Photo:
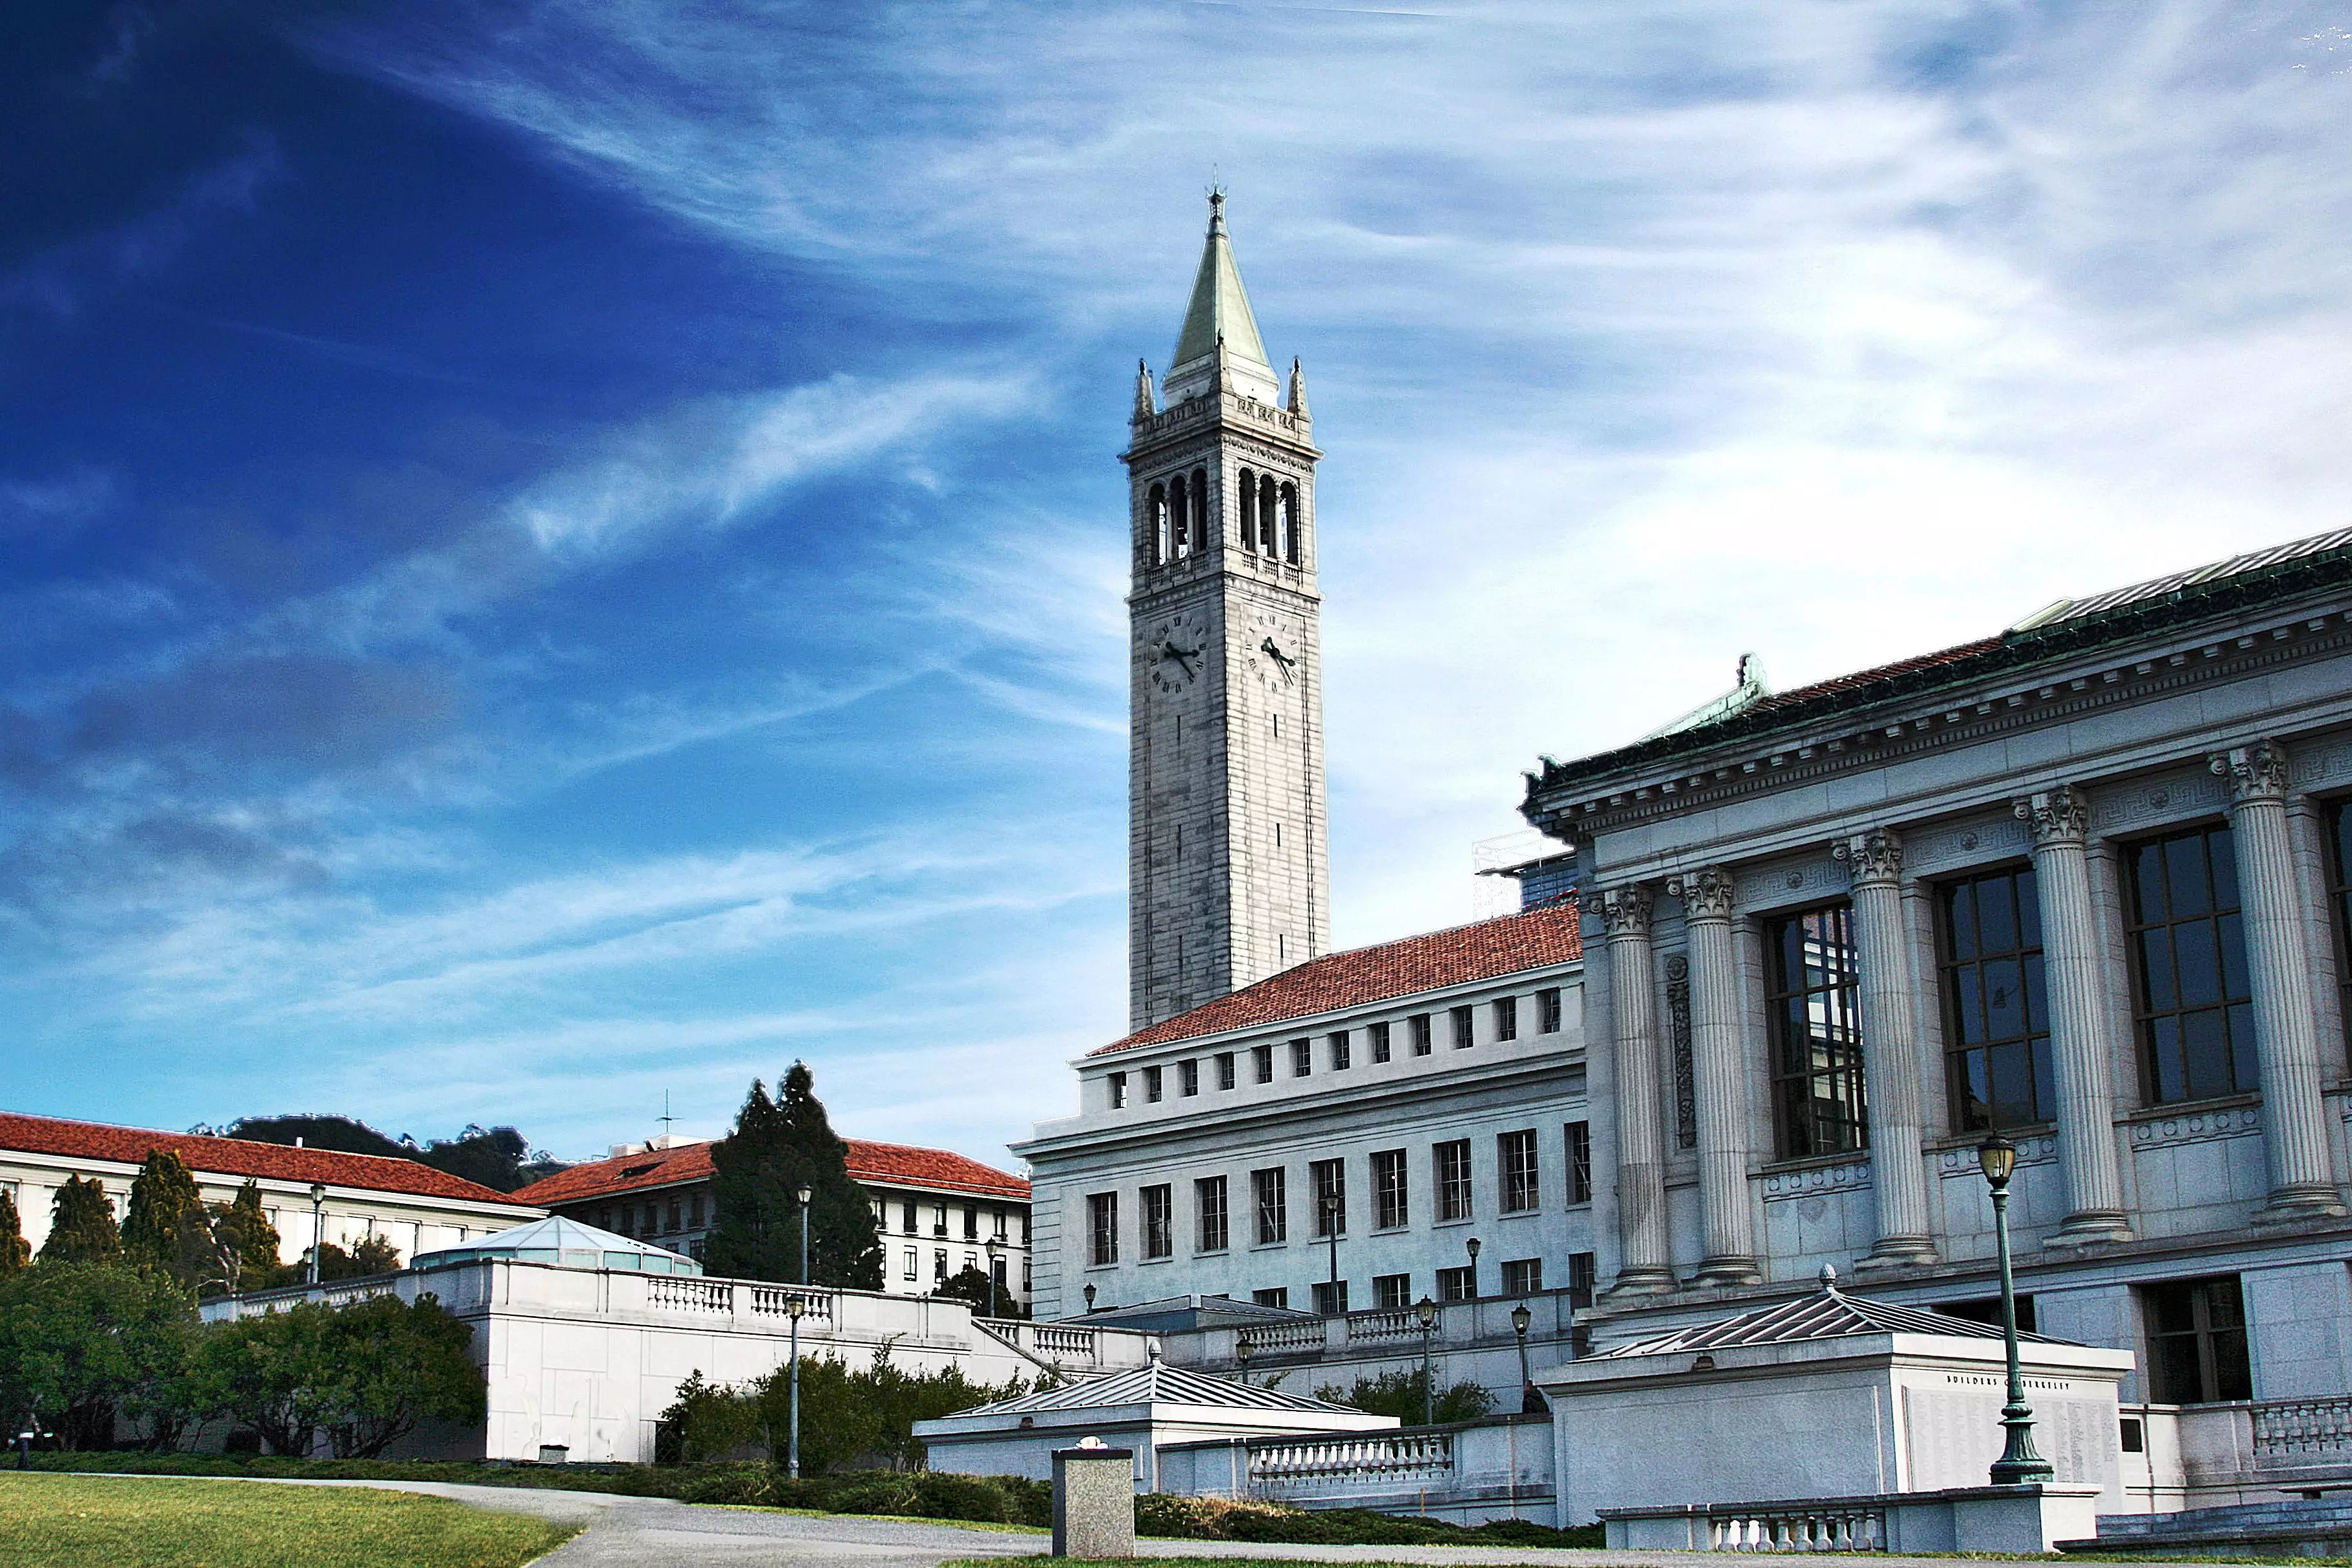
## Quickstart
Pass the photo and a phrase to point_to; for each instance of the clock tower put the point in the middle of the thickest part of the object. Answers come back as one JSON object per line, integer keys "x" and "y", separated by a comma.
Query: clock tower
{"x": 1228, "y": 870}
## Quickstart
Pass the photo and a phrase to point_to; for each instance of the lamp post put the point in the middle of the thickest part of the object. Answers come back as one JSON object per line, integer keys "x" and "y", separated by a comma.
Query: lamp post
{"x": 794, "y": 1307}
{"x": 1425, "y": 1311}
{"x": 996, "y": 1256}
{"x": 1472, "y": 1247}
{"x": 1332, "y": 1234}
{"x": 2019, "y": 1464}
{"x": 318, "y": 1226}
{"x": 1242, "y": 1351}
{"x": 806, "y": 1193}
{"x": 1521, "y": 1319}
{"x": 1090, "y": 1297}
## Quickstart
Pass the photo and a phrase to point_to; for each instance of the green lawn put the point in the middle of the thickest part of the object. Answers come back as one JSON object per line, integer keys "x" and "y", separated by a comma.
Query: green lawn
{"x": 94, "y": 1522}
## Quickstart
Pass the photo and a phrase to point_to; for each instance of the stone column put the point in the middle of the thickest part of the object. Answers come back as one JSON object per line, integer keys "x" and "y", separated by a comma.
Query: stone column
{"x": 2082, "y": 1046}
{"x": 1890, "y": 1049}
{"x": 1643, "y": 1260}
{"x": 1719, "y": 1082}
{"x": 2278, "y": 965}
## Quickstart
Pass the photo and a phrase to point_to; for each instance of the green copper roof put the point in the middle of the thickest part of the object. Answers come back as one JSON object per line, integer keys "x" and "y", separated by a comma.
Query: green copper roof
{"x": 1219, "y": 307}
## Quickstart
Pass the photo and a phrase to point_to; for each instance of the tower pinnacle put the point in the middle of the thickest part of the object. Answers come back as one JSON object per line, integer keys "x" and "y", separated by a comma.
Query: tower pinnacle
{"x": 1219, "y": 316}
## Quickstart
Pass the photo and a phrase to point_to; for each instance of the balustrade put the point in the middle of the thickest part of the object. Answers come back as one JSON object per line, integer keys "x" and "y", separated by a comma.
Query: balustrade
{"x": 2287, "y": 1428}
{"x": 1782, "y": 1527}
{"x": 1056, "y": 1343}
{"x": 1383, "y": 1456}
{"x": 775, "y": 1302}
{"x": 685, "y": 1295}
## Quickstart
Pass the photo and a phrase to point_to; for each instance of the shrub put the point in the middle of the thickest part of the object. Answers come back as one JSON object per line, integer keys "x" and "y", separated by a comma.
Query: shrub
{"x": 742, "y": 1484}
{"x": 1399, "y": 1393}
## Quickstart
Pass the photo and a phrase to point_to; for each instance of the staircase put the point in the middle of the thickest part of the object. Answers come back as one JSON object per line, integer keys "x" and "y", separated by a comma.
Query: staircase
{"x": 2291, "y": 1527}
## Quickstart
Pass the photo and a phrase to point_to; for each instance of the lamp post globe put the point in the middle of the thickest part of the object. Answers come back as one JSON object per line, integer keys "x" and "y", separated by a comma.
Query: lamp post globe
{"x": 2019, "y": 1464}
{"x": 1522, "y": 1319}
{"x": 996, "y": 1258}
{"x": 806, "y": 1193}
{"x": 1425, "y": 1312}
{"x": 794, "y": 1307}
{"x": 318, "y": 1226}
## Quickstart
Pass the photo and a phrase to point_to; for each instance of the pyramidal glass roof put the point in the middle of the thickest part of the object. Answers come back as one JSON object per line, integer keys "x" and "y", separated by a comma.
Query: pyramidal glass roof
{"x": 1155, "y": 1383}
{"x": 567, "y": 1243}
{"x": 1826, "y": 1314}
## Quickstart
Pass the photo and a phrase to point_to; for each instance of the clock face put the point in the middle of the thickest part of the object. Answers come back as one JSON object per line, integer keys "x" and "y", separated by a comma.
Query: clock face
{"x": 1275, "y": 646}
{"x": 1173, "y": 649}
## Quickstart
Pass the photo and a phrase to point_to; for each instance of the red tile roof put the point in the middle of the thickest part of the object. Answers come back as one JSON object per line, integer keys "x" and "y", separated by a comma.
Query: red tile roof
{"x": 1531, "y": 939}
{"x": 879, "y": 1162}
{"x": 242, "y": 1157}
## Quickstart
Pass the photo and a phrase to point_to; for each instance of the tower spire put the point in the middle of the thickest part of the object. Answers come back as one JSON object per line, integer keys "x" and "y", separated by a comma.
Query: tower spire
{"x": 1219, "y": 315}
{"x": 1146, "y": 405}
{"x": 1297, "y": 401}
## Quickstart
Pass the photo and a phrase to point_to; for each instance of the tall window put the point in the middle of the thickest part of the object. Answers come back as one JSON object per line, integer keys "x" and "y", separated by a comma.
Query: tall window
{"x": 1118, "y": 1091}
{"x": 1199, "y": 509}
{"x": 1816, "y": 1033}
{"x": 1225, "y": 1069}
{"x": 2197, "y": 1340}
{"x": 1188, "y": 1077}
{"x": 1388, "y": 1189}
{"x": 2188, "y": 953}
{"x": 1102, "y": 1229}
{"x": 1547, "y": 1010}
{"x": 1246, "y": 509}
{"x": 1331, "y": 1177}
{"x": 1154, "y": 1085}
{"x": 1452, "y": 1162}
{"x": 1522, "y": 1275}
{"x": 1159, "y": 1217}
{"x": 1179, "y": 517}
{"x": 2339, "y": 877}
{"x": 1262, "y": 1060}
{"x": 1302, "y": 1058}
{"x": 1516, "y": 1157}
{"x": 1391, "y": 1291}
{"x": 1290, "y": 530}
{"x": 1420, "y": 1024}
{"x": 1378, "y": 1035}
{"x": 907, "y": 1216}
{"x": 1339, "y": 1051}
{"x": 1272, "y": 1211}
{"x": 1996, "y": 1020}
{"x": 1506, "y": 1017}
{"x": 1157, "y": 506}
{"x": 1268, "y": 502}
{"x": 1583, "y": 1273}
{"x": 1208, "y": 1210}
{"x": 1466, "y": 1026}
{"x": 1579, "y": 1162}
{"x": 1330, "y": 1297}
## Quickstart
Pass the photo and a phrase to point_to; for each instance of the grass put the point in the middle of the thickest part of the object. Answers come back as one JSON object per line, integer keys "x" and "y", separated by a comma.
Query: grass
{"x": 95, "y": 1521}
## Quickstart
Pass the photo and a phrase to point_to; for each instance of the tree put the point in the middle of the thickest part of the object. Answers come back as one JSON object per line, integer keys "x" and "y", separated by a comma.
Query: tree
{"x": 1399, "y": 1393}
{"x": 14, "y": 1250}
{"x": 398, "y": 1365}
{"x": 494, "y": 1156}
{"x": 374, "y": 1255}
{"x": 82, "y": 1224}
{"x": 969, "y": 1284}
{"x": 81, "y": 1343}
{"x": 164, "y": 1227}
{"x": 710, "y": 1420}
{"x": 244, "y": 1244}
{"x": 275, "y": 1371}
{"x": 757, "y": 1170}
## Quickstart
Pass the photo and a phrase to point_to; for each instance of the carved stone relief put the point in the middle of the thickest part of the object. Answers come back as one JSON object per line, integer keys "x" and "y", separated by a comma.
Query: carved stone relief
{"x": 2197, "y": 1126}
{"x": 1678, "y": 1030}
{"x": 2149, "y": 803}
{"x": 1789, "y": 882}
{"x": 1975, "y": 841}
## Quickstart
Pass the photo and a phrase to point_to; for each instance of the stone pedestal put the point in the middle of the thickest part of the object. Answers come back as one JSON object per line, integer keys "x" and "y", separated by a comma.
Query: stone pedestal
{"x": 1094, "y": 1501}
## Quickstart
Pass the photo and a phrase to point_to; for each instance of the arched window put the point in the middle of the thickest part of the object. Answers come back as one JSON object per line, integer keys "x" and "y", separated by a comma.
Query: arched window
{"x": 1180, "y": 517}
{"x": 1248, "y": 510}
{"x": 1157, "y": 513}
{"x": 1201, "y": 510}
{"x": 1266, "y": 502}
{"x": 1291, "y": 548}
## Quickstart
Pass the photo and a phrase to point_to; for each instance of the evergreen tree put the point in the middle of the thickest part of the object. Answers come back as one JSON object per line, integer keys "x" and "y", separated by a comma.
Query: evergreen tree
{"x": 244, "y": 1244}
{"x": 82, "y": 1224}
{"x": 757, "y": 1170}
{"x": 14, "y": 1250}
{"x": 165, "y": 1226}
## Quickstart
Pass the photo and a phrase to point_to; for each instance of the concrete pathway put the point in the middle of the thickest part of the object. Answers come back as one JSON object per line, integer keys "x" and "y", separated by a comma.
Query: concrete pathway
{"x": 653, "y": 1533}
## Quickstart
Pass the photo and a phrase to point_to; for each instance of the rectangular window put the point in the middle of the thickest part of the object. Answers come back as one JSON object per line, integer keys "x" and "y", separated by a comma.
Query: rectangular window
{"x": 938, "y": 1219}
{"x": 1102, "y": 1229}
{"x": 1458, "y": 1284}
{"x": 1514, "y": 1156}
{"x": 996, "y": 1219}
{"x": 1547, "y": 1010}
{"x": 1187, "y": 1078}
{"x": 1420, "y": 1026}
{"x": 1522, "y": 1275}
{"x": 1391, "y": 1291}
{"x": 1158, "y": 1221}
{"x": 971, "y": 1222}
{"x": 1272, "y": 1210}
{"x": 1340, "y": 1055}
{"x": 2340, "y": 882}
{"x": 939, "y": 1264}
{"x": 1389, "y": 1190}
{"x": 1815, "y": 1017}
{"x": 1118, "y": 1091}
{"x": 906, "y": 1217}
{"x": 2189, "y": 960}
{"x": 1987, "y": 1310}
{"x": 1154, "y": 1083}
{"x": 1579, "y": 1163}
{"x": 1378, "y": 1033}
{"x": 1209, "y": 1207}
{"x": 1302, "y": 1058}
{"x": 1277, "y": 1297}
{"x": 2196, "y": 1342}
{"x": 1996, "y": 1020}
{"x": 1506, "y": 1017}
{"x": 1225, "y": 1069}
{"x": 1262, "y": 1060}
{"x": 1452, "y": 1162}
{"x": 1583, "y": 1272}
{"x": 909, "y": 1263}
{"x": 1330, "y": 1178}
{"x": 1466, "y": 1026}
{"x": 1330, "y": 1297}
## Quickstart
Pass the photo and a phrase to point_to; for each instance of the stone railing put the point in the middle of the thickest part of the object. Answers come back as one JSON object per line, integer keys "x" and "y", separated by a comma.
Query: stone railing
{"x": 673, "y": 1294}
{"x": 775, "y": 1302}
{"x": 1055, "y": 1342}
{"x": 1390, "y": 1324}
{"x": 1303, "y": 1338}
{"x": 1354, "y": 1457}
{"x": 2295, "y": 1431}
{"x": 1787, "y": 1528}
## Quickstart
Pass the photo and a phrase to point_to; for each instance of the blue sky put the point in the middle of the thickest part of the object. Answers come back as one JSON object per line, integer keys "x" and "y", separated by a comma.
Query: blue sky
{"x": 557, "y": 553}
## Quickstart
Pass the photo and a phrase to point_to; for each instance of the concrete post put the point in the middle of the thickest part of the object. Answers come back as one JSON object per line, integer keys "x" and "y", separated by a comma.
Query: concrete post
{"x": 1094, "y": 1500}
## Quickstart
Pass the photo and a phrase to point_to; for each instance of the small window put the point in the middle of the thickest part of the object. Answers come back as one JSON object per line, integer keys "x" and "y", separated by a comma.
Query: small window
{"x": 1339, "y": 1044}
{"x": 1419, "y": 1023}
{"x": 1330, "y": 1297}
{"x": 1452, "y": 1162}
{"x": 1158, "y": 1217}
{"x": 1547, "y": 1010}
{"x": 1272, "y": 1210}
{"x": 1118, "y": 1082}
{"x": 1458, "y": 1284}
{"x": 1302, "y": 1058}
{"x": 1262, "y": 1059}
{"x": 1583, "y": 1276}
{"x": 911, "y": 1262}
{"x": 1225, "y": 1069}
{"x": 1515, "y": 1158}
{"x": 940, "y": 1265}
{"x": 1102, "y": 1230}
{"x": 1377, "y": 1036}
{"x": 1506, "y": 1017}
{"x": 1209, "y": 1211}
{"x": 1466, "y": 1026}
{"x": 1277, "y": 1297}
{"x": 1391, "y": 1291}
{"x": 907, "y": 1216}
{"x": 939, "y": 1219}
{"x": 971, "y": 1222}
{"x": 1187, "y": 1078}
{"x": 1522, "y": 1275}
{"x": 1389, "y": 1195}
{"x": 1153, "y": 1084}
{"x": 2197, "y": 1341}
{"x": 2135, "y": 1437}
{"x": 1330, "y": 1178}
{"x": 1579, "y": 1163}
{"x": 1987, "y": 1310}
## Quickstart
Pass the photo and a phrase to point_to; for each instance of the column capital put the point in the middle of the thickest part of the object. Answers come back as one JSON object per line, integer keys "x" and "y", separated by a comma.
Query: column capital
{"x": 2059, "y": 816}
{"x": 1624, "y": 910}
{"x": 1875, "y": 856}
{"x": 2257, "y": 771}
{"x": 1706, "y": 893}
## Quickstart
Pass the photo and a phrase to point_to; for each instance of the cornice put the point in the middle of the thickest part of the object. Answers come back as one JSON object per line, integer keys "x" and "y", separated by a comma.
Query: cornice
{"x": 1228, "y": 411}
{"x": 1986, "y": 703}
